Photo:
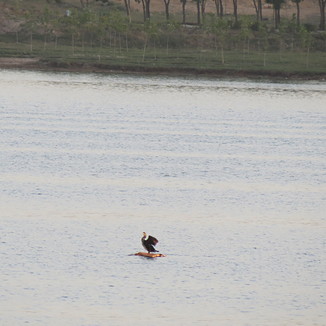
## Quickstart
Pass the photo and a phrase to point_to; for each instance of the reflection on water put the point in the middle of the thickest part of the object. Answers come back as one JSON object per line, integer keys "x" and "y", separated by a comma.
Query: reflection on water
{"x": 230, "y": 175}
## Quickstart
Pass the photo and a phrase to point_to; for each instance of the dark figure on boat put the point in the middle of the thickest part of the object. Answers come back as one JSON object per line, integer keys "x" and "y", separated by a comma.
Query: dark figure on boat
{"x": 149, "y": 242}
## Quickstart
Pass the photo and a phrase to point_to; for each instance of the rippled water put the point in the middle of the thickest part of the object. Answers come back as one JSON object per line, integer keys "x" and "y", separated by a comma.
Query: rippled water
{"x": 229, "y": 175}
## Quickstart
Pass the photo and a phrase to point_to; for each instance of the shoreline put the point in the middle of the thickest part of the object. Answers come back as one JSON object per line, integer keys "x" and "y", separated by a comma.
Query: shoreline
{"x": 38, "y": 65}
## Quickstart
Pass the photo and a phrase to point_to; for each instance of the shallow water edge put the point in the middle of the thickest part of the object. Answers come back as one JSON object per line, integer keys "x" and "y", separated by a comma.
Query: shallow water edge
{"x": 37, "y": 64}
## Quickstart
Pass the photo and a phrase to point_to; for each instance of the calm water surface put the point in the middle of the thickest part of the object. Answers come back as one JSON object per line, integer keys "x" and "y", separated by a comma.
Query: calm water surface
{"x": 229, "y": 175}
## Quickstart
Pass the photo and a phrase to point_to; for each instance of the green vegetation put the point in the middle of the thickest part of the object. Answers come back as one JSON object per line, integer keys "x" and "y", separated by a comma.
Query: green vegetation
{"x": 104, "y": 37}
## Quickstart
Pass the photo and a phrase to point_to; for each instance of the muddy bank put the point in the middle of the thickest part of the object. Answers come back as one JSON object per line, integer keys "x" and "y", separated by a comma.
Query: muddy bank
{"x": 39, "y": 64}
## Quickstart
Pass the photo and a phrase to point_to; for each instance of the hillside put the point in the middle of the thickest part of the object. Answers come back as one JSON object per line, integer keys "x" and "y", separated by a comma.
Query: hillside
{"x": 12, "y": 12}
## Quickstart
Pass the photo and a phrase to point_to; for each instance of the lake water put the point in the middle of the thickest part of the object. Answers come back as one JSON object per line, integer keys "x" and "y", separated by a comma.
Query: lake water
{"x": 230, "y": 176}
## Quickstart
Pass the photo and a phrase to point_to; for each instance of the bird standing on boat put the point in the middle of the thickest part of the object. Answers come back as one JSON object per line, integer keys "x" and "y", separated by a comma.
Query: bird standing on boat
{"x": 149, "y": 242}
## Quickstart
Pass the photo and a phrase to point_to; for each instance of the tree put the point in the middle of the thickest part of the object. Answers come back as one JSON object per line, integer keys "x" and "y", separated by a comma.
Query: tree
{"x": 245, "y": 34}
{"x": 70, "y": 27}
{"x": 183, "y": 4}
{"x": 297, "y": 2}
{"x": 219, "y": 28}
{"x": 166, "y": 5}
{"x": 277, "y": 4}
{"x": 263, "y": 41}
{"x": 322, "y": 6}
{"x": 169, "y": 29}
{"x": 203, "y": 9}
{"x": 119, "y": 26}
{"x": 235, "y": 9}
{"x": 44, "y": 20}
{"x": 84, "y": 21}
{"x": 75, "y": 24}
{"x": 151, "y": 32}
{"x": 128, "y": 9}
{"x": 30, "y": 25}
{"x": 198, "y": 11}
{"x": 219, "y": 8}
{"x": 146, "y": 8}
{"x": 259, "y": 9}
{"x": 306, "y": 42}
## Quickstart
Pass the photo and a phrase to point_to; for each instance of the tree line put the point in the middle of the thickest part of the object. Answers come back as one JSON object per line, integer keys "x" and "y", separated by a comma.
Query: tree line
{"x": 220, "y": 12}
{"x": 89, "y": 27}
{"x": 99, "y": 26}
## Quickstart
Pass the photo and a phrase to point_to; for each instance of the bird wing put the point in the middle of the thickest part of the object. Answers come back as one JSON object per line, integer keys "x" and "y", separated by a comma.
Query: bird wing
{"x": 152, "y": 240}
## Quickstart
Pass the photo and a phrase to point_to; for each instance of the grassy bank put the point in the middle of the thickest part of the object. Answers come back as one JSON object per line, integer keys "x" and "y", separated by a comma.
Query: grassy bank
{"x": 183, "y": 60}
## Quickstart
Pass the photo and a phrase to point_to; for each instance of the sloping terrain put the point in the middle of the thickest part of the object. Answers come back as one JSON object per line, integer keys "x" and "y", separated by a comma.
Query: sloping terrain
{"x": 12, "y": 12}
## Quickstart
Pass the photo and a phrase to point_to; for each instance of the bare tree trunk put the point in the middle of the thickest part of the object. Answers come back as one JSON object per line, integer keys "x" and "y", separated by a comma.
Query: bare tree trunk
{"x": 256, "y": 7}
{"x": 198, "y": 12}
{"x": 183, "y": 2}
{"x": 127, "y": 5}
{"x": 259, "y": 9}
{"x": 277, "y": 17}
{"x": 166, "y": 5}
{"x": 203, "y": 9}
{"x": 298, "y": 12}
{"x": 322, "y": 5}
{"x": 144, "y": 9}
{"x": 148, "y": 11}
{"x": 235, "y": 9}
{"x": 221, "y": 7}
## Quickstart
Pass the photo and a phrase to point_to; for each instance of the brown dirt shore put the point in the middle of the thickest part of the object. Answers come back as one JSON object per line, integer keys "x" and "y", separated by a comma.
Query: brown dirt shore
{"x": 40, "y": 65}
